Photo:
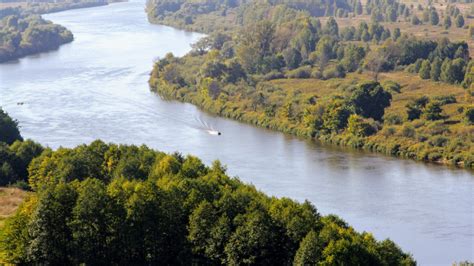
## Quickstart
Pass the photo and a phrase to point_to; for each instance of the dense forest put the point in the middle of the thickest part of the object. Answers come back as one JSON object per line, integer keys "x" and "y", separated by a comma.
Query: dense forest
{"x": 363, "y": 86}
{"x": 107, "y": 204}
{"x": 22, "y": 35}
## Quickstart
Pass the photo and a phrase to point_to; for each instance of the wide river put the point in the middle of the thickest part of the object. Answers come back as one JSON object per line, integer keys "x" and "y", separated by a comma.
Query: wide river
{"x": 96, "y": 88}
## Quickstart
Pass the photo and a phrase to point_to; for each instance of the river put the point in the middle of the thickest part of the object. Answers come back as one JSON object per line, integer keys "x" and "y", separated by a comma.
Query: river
{"x": 96, "y": 88}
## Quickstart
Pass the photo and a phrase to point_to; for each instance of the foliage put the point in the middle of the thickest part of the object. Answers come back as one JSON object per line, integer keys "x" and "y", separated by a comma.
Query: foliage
{"x": 21, "y": 35}
{"x": 178, "y": 212}
{"x": 9, "y": 132}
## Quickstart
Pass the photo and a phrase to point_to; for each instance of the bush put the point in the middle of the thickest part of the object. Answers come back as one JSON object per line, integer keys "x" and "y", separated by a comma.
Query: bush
{"x": 303, "y": 72}
{"x": 334, "y": 72}
{"x": 408, "y": 131}
{"x": 393, "y": 119}
{"x": 391, "y": 86}
{"x": 438, "y": 141}
{"x": 445, "y": 99}
{"x": 469, "y": 115}
{"x": 360, "y": 127}
{"x": 273, "y": 75}
{"x": 316, "y": 74}
{"x": 388, "y": 131}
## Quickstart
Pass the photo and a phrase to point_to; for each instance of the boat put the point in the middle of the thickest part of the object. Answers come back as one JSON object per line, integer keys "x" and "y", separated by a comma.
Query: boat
{"x": 214, "y": 132}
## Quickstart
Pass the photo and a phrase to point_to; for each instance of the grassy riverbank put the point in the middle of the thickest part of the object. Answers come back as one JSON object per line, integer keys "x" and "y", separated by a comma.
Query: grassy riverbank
{"x": 448, "y": 141}
{"x": 276, "y": 65}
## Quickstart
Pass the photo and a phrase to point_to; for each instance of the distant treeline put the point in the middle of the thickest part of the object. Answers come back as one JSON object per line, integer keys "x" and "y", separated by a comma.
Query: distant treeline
{"x": 107, "y": 204}
{"x": 24, "y": 35}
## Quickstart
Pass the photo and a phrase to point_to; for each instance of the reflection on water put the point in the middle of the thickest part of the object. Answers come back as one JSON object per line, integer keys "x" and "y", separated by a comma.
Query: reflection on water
{"x": 96, "y": 87}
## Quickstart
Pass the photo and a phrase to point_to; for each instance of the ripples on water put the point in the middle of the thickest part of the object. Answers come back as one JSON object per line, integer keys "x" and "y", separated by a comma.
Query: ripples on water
{"x": 96, "y": 87}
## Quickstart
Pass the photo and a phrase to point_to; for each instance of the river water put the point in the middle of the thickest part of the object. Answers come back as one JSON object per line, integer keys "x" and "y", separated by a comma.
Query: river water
{"x": 96, "y": 87}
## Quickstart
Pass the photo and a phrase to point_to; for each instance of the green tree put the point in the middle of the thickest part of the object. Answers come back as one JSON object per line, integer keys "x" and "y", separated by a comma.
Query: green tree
{"x": 94, "y": 225}
{"x": 469, "y": 115}
{"x": 331, "y": 28}
{"x": 396, "y": 34}
{"x": 50, "y": 237}
{"x": 433, "y": 111}
{"x": 310, "y": 250}
{"x": 434, "y": 17}
{"x": 370, "y": 100}
{"x": 360, "y": 127}
{"x": 336, "y": 114}
{"x": 358, "y": 8}
{"x": 323, "y": 52}
{"x": 9, "y": 132}
{"x": 447, "y": 22}
{"x": 459, "y": 21}
{"x": 425, "y": 69}
{"x": 415, "y": 107}
{"x": 257, "y": 240}
{"x": 435, "y": 71}
{"x": 415, "y": 20}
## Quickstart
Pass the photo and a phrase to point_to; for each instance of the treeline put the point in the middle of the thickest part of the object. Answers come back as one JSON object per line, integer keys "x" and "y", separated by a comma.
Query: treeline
{"x": 15, "y": 154}
{"x": 24, "y": 35}
{"x": 48, "y": 6}
{"x": 287, "y": 40}
{"x": 212, "y": 15}
{"x": 107, "y": 204}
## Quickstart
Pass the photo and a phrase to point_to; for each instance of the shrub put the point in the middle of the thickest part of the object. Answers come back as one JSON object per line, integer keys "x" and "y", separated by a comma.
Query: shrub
{"x": 408, "y": 131}
{"x": 391, "y": 86}
{"x": 445, "y": 99}
{"x": 388, "y": 131}
{"x": 469, "y": 115}
{"x": 360, "y": 127}
{"x": 438, "y": 141}
{"x": 273, "y": 75}
{"x": 393, "y": 119}
{"x": 433, "y": 111}
{"x": 316, "y": 74}
{"x": 303, "y": 72}
{"x": 334, "y": 72}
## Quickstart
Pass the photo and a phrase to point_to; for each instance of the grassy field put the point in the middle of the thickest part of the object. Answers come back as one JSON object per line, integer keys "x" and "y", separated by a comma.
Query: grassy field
{"x": 412, "y": 87}
{"x": 10, "y": 199}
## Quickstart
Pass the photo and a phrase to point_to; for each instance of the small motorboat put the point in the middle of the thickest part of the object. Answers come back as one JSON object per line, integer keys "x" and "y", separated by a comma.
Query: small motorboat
{"x": 214, "y": 132}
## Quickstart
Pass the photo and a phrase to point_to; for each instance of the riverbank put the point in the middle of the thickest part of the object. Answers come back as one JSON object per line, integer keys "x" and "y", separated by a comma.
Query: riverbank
{"x": 25, "y": 34}
{"x": 278, "y": 67}
{"x": 294, "y": 106}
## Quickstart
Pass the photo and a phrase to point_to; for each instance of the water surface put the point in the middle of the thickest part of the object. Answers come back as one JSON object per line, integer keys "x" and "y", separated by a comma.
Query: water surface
{"x": 96, "y": 87}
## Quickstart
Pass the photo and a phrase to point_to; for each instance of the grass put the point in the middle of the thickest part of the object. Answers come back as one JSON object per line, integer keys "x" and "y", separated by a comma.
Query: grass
{"x": 412, "y": 87}
{"x": 10, "y": 199}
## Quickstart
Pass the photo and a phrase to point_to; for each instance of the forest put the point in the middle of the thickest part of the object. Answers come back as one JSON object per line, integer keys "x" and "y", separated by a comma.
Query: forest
{"x": 368, "y": 86}
{"x": 22, "y": 35}
{"x": 108, "y": 204}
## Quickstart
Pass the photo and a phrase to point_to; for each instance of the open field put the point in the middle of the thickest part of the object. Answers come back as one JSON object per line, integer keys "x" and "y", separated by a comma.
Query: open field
{"x": 13, "y": 4}
{"x": 412, "y": 87}
{"x": 10, "y": 199}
